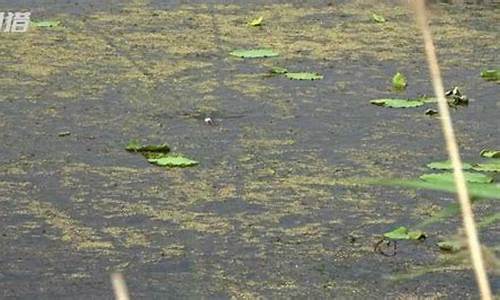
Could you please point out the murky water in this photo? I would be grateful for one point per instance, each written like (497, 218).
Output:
(271, 210)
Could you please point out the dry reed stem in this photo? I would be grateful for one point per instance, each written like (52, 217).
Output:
(119, 286)
(454, 155)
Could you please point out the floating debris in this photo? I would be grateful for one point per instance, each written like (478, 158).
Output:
(278, 70)
(455, 97)
(256, 22)
(64, 133)
(209, 121)
(431, 112)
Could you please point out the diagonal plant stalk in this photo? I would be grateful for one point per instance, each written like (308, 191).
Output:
(453, 152)
(119, 287)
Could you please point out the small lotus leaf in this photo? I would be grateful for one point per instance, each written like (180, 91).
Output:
(490, 153)
(492, 75)
(378, 18)
(402, 233)
(397, 103)
(136, 146)
(304, 76)
(173, 161)
(450, 246)
(399, 81)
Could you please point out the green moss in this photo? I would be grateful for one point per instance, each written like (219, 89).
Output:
(128, 236)
(78, 235)
(174, 250)
(348, 31)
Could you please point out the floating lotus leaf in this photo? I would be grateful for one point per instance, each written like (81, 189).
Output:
(378, 18)
(173, 161)
(446, 165)
(402, 233)
(399, 81)
(397, 103)
(490, 153)
(493, 166)
(304, 76)
(491, 75)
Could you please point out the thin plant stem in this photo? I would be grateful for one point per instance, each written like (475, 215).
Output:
(119, 287)
(454, 155)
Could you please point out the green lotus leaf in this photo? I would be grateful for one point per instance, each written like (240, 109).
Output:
(446, 165)
(378, 18)
(173, 161)
(304, 76)
(491, 75)
(402, 233)
(136, 146)
(399, 81)
(397, 103)
(490, 153)
(493, 166)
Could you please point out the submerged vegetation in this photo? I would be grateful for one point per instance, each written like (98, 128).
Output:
(274, 207)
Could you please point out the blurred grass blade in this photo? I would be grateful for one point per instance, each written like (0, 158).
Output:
(119, 287)
(480, 190)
